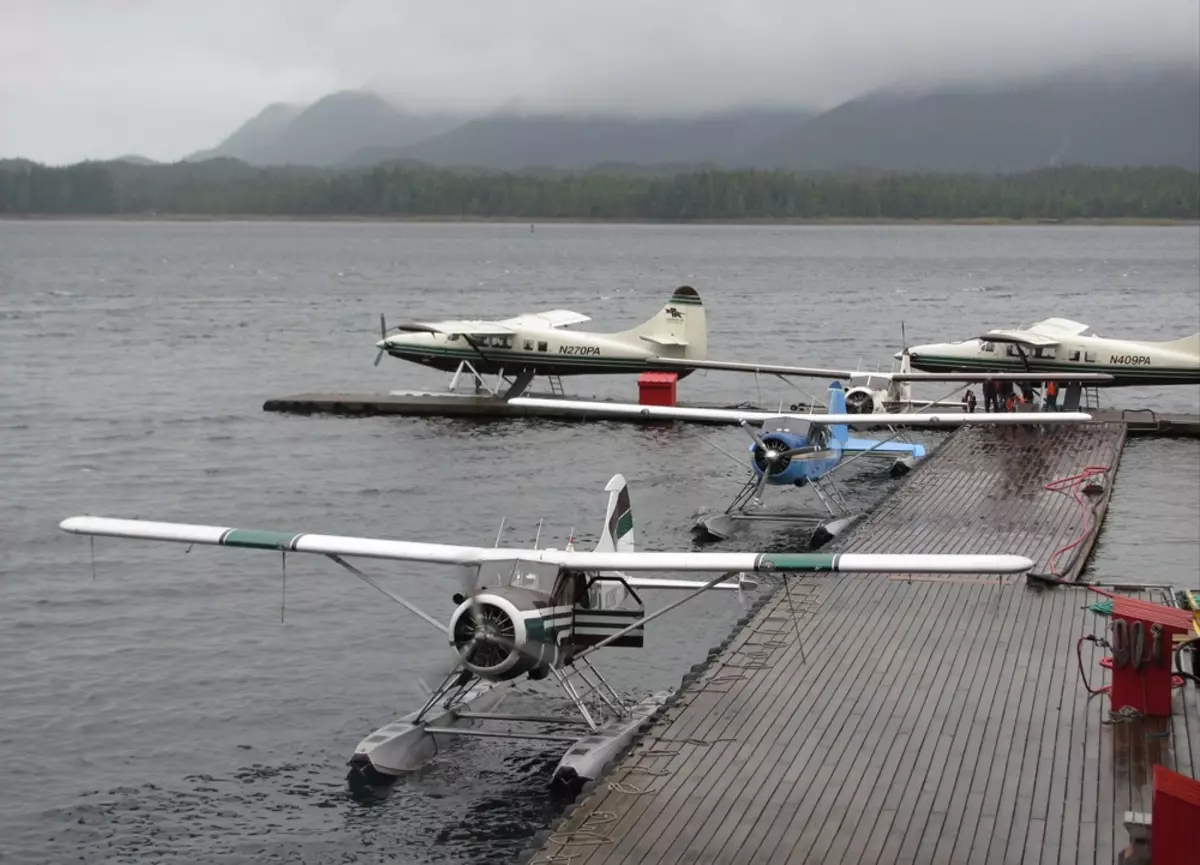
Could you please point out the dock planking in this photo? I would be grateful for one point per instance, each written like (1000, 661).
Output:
(885, 719)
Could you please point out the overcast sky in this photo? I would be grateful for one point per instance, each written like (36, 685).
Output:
(163, 78)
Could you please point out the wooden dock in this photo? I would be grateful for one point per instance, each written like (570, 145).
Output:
(468, 406)
(883, 719)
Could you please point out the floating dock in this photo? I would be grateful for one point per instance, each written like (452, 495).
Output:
(891, 719)
(1137, 421)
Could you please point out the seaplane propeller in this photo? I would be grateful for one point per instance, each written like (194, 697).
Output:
(860, 401)
(773, 456)
(382, 336)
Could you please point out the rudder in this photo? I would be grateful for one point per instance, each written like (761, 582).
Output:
(837, 405)
(680, 329)
(617, 535)
(1189, 345)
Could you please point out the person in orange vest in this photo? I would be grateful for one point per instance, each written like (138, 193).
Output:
(1010, 402)
(1052, 396)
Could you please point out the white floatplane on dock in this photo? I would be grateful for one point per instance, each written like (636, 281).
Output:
(1061, 347)
(515, 350)
(534, 614)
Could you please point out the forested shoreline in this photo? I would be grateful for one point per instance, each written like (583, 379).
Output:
(225, 188)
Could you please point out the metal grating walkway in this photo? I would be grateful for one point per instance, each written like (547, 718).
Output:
(932, 720)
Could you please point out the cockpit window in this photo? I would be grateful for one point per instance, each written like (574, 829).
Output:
(988, 346)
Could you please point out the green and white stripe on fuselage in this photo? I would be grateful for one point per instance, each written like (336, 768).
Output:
(549, 624)
(611, 359)
(582, 627)
(592, 626)
(1124, 374)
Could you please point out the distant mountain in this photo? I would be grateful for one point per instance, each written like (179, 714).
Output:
(515, 141)
(254, 137)
(135, 159)
(1099, 120)
(1089, 118)
(326, 133)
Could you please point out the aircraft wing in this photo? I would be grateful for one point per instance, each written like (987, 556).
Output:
(597, 408)
(468, 328)
(820, 372)
(548, 320)
(1021, 337)
(1062, 325)
(996, 376)
(412, 551)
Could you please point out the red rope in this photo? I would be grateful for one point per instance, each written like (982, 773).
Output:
(1073, 485)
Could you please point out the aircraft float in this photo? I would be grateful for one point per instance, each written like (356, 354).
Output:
(1064, 347)
(804, 450)
(535, 614)
(539, 343)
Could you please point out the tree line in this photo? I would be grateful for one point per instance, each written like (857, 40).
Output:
(225, 187)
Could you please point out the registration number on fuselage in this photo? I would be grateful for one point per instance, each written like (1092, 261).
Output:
(578, 349)
(1131, 359)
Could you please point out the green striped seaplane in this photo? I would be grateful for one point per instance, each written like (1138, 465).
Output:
(515, 350)
(522, 615)
(1061, 348)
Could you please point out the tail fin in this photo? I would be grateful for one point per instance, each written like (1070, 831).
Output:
(837, 405)
(1189, 345)
(678, 330)
(617, 534)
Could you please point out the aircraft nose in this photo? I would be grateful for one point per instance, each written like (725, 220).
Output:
(383, 343)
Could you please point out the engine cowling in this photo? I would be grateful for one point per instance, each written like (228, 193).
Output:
(861, 400)
(783, 470)
(513, 636)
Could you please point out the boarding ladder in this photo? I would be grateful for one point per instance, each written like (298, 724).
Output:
(581, 680)
(556, 385)
(1091, 398)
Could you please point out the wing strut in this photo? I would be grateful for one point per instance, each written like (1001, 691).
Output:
(399, 600)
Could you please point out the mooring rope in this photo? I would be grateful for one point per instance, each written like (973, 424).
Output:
(1072, 485)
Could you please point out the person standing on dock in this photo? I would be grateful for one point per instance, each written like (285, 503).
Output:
(971, 401)
(990, 403)
(1051, 392)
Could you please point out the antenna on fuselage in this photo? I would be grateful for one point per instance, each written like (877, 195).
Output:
(499, 532)
(538, 536)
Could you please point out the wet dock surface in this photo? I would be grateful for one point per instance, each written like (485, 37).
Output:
(882, 719)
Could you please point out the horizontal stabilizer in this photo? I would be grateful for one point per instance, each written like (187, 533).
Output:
(889, 449)
(663, 339)
(592, 408)
(720, 563)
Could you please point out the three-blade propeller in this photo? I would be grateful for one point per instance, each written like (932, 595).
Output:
(382, 337)
(775, 460)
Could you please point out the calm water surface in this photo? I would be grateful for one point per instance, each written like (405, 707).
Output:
(155, 709)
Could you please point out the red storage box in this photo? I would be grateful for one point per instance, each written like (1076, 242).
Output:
(657, 388)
